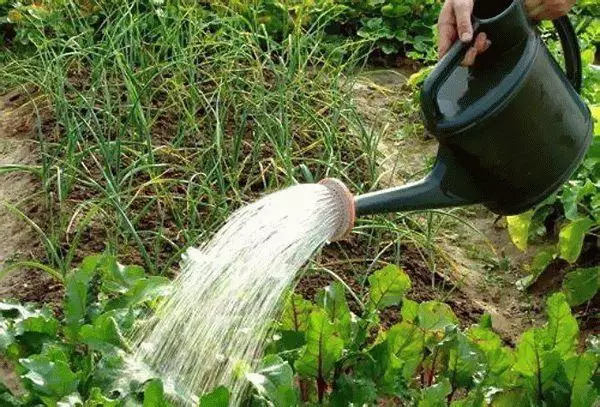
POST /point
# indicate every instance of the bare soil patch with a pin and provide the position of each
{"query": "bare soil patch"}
(20, 190)
(18, 240)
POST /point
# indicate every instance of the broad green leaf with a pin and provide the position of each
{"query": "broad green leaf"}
(475, 398)
(6, 336)
(499, 359)
(596, 115)
(388, 286)
(589, 55)
(540, 261)
(104, 331)
(323, 347)
(43, 322)
(527, 352)
(586, 396)
(353, 391)
(510, 398)
(538, 366)
(434, 315)
(362, 327)
(592, 159)
(275, 382)
(110, 373)
(148, 289)
(154, 395)
(395, 10)
(389, 48)
(405, 345)
(376, 364)
(464, 362)
(333, 300)
(410, 310)
(573, 193)
(581, 285)
(118, 278)
(595, 201)
(570, 238)
(142, 290)
(28, 326)
(562, 330)
(76, 293)
(284, 341)
(219, 397)
(518, 228)
(579, 370)
(49, 373)
(296, 313)
(436, 395)
(97, 399)
(126, 318)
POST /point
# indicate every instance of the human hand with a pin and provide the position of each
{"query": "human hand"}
(548, 9)
(455, 22)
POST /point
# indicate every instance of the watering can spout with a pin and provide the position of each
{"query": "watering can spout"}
(424, 194)
(446, 186)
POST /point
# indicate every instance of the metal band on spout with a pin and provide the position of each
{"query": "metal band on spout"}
(347, 211)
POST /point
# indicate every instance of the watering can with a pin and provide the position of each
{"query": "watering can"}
(511, 128)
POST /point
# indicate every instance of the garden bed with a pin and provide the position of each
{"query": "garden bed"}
(133, 130)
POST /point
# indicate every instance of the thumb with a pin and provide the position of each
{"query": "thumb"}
(463, 10)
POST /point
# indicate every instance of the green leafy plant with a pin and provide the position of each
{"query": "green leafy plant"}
(404, 27)
(64, 361)
(394, 26)
(320, 352)
(342, 359)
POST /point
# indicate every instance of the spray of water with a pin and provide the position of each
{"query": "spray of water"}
(214, 324)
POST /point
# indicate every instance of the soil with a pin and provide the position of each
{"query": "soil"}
(20, 190)
(19, 242)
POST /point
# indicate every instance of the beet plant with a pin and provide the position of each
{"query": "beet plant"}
(319, 352)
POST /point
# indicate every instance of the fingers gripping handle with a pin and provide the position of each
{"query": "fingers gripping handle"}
(441, 72)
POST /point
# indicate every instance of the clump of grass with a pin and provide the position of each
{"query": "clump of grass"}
(159, 121)
(165, 119)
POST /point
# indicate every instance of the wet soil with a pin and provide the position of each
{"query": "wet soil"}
(425, 286)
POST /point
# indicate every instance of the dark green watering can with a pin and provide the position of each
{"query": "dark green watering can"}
(512, 128)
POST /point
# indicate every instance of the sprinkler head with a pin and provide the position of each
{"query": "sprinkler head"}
(346, 207)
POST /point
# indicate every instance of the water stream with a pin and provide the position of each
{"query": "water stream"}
(214, 324)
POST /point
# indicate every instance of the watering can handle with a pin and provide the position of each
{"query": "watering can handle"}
(443, 69)
(571, 51)
(441, 72)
